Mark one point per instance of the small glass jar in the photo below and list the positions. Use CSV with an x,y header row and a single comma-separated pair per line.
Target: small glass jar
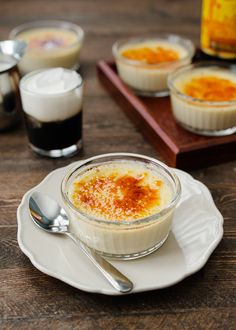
x,y
151,79
122,239
210,118
218,28
50,44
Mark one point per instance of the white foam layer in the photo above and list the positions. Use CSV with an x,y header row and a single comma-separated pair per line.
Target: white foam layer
x,y
53,81
51,95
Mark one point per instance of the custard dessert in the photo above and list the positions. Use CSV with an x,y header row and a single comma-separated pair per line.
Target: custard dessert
x,y
50,44
120,208
204,99
125,191
144,64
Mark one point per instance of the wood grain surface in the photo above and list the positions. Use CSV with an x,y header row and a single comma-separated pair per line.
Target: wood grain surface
x,y
153,117
30,299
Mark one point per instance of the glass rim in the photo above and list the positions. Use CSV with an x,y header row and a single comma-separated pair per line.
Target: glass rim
x,y
51,24
189,47
147,219
187,68
32,73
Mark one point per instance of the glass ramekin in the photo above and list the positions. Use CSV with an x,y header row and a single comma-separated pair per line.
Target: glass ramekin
x,y
122,239
150,79
208,118
49,56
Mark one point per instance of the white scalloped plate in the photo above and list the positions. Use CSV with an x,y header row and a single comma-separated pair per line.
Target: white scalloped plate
x,y
197,230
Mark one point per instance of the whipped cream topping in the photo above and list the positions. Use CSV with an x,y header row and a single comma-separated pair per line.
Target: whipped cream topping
x,y
52,81
52,94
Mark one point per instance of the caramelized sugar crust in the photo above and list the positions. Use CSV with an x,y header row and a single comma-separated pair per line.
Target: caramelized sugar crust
x,y
151,55
211,88
117,195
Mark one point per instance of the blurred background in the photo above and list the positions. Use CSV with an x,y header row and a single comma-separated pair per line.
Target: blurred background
x,y
105,21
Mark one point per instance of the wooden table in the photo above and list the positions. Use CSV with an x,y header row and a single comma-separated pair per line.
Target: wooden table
x,y
30,299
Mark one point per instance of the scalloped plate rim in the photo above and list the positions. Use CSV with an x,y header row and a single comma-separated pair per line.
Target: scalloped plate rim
x,y
196,267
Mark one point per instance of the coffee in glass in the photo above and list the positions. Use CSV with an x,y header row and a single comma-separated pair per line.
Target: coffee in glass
x,y
52,105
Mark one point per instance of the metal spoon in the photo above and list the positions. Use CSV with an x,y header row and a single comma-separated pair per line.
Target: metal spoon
x,y
51,217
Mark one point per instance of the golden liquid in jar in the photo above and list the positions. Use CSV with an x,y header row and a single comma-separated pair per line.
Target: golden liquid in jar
x,y
218,28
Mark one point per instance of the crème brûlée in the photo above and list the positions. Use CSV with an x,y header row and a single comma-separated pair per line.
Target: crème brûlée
x,y
210,102
145,65
49,47
48,38
112,192
117,208
152,54
211,88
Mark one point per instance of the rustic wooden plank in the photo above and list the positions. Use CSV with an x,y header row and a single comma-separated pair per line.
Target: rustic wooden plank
x,y
45,293
153,116
195,320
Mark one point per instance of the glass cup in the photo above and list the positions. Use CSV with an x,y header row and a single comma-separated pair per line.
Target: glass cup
x,y
52,107
204,116
51,43
127,237
150,79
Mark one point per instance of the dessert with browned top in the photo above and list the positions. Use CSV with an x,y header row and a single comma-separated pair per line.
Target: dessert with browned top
x,y
50,44
152,54
211,88
120,192
204,99
120,208
144,64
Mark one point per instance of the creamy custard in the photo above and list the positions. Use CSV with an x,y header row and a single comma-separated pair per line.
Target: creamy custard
x,y
117,208
120,192
210,105
48,38
145,66
55,45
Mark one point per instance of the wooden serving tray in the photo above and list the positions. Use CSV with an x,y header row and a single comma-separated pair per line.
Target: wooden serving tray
x,y
153,117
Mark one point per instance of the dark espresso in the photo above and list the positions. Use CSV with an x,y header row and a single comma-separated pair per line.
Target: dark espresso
x,y
56,134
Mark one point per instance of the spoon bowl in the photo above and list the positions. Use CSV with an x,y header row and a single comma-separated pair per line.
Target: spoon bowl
x,y
53,218
48,215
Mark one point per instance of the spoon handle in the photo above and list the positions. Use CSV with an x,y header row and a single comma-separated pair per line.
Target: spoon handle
x,y
119,281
